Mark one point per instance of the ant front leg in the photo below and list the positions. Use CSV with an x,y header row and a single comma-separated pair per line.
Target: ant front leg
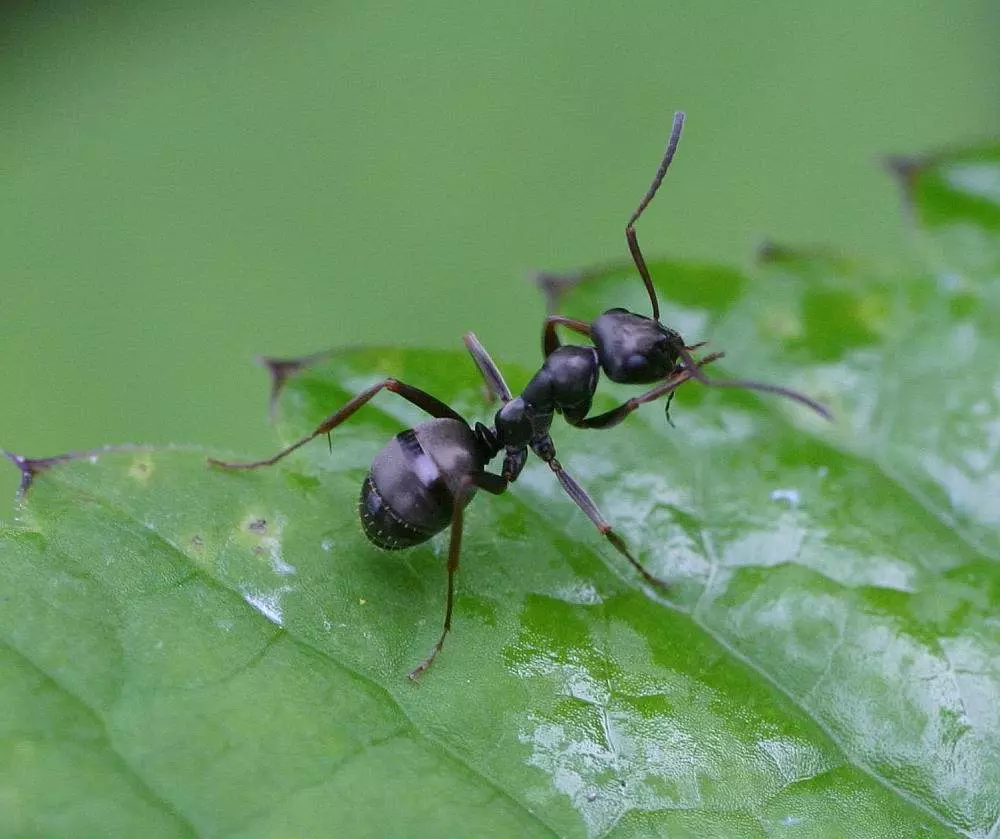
x,y
482,480
415,396
611,418
546,451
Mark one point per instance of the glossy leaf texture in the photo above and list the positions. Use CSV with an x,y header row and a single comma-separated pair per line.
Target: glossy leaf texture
x,y
192,652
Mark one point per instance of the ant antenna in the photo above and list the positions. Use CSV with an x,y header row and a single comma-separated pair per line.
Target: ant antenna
x,y
633,242
743,384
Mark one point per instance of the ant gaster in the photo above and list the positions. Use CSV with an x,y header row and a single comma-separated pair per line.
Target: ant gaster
x,y
423,479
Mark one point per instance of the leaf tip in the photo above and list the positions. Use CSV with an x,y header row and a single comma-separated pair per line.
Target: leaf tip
x,y
281,370
905,169
770,251
30,467
553,286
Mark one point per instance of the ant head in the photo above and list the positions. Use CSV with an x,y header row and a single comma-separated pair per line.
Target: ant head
x,y
634,349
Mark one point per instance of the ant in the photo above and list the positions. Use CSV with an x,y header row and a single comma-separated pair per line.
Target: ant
x,y
423,479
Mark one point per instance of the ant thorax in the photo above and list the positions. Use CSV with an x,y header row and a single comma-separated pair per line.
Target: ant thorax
x,y
514,425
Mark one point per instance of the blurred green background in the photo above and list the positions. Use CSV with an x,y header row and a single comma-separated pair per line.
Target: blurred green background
x,y
186,185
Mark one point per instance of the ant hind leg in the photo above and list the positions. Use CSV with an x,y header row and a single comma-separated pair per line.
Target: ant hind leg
x,y
414,395
483,480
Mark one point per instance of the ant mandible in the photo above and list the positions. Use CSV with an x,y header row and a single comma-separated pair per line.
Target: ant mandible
x,y
423,479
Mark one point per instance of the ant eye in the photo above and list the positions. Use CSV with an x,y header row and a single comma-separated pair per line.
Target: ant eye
x,y
636,362
668,347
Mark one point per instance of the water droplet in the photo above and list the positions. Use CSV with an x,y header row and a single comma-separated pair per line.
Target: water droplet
x,y
789,495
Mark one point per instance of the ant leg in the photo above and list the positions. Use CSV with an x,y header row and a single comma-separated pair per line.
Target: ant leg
x,y
586,503
550,340
423,400
483,480
611,418
487,367
692,365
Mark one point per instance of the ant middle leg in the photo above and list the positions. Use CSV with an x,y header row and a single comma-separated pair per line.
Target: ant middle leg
x,y
482,480
414,395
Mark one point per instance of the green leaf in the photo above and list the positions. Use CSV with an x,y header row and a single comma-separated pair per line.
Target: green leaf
x,y
188,651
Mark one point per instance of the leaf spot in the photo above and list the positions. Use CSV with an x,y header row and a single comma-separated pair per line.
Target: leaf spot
x,y
140,470
258,526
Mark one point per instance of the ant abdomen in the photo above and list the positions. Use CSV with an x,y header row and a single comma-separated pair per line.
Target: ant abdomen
x,y
409,492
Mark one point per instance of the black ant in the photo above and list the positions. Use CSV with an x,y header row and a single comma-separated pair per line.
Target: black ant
x,y
423,479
